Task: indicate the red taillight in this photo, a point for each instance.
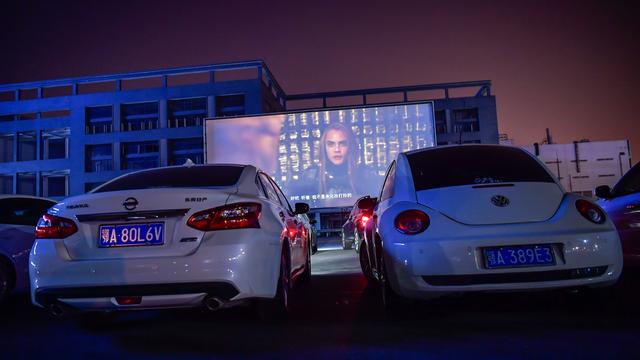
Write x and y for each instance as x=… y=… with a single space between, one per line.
x=129 y=300
x=233 y=216
x=412 y=222
x=362 y=223
x=55 y=227
x=591 y=211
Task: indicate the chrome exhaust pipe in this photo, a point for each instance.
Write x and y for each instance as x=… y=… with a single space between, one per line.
x=212 y=303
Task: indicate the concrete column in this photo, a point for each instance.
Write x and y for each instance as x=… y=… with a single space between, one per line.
x=116 y=156
x=162 y=113
x=211 y=106
x=164 y=156
x=448 y=122
x=116 y=117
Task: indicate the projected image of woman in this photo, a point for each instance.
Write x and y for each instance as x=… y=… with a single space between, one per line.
x=338 y=171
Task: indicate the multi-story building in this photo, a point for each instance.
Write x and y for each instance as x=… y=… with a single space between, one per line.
x=583 y=165
x=64 y=137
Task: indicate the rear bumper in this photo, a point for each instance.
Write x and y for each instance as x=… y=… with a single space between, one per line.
x=230 y=267
x=431 y=267
x=104 y=296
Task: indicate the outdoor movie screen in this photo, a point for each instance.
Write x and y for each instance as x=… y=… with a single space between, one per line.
x=326 y=158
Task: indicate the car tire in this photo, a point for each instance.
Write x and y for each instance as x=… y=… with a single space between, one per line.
x=365 y=266
x=276 y=309
x=4 y=282
x=393 y=304
x=305 y=277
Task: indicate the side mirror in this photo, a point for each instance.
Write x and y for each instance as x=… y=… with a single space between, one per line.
x=367 y=203
x=301 y=208
x=604 y=192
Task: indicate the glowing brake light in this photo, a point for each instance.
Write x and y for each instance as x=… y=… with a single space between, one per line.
x=412 y=222
x=55 y=227
x=232 y=216
x=591 y=211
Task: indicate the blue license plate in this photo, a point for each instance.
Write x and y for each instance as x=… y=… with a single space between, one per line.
x=131 y=235
x=519 y=256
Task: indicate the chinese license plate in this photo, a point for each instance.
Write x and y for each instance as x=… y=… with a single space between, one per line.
x=519 y=256
x=131 y=235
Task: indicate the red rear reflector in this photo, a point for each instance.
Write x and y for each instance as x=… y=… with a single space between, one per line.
x=232 y=216
x=412 y=222
x=128 y=300
x=55 y=227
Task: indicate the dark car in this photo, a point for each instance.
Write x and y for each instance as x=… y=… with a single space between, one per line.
x=353 y=227
x=18 y=217
x=622 y=203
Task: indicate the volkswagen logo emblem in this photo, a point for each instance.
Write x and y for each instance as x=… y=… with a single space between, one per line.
x=130 y=203
x=499 y=200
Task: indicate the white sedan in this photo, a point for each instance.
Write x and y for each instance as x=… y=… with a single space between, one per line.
x=184 y=236
x=483 y=218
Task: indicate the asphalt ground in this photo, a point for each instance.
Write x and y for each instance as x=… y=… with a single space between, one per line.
x=338 y=316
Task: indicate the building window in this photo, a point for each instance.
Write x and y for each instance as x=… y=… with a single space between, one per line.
x=182 y=149
x=140 y=116
x=6 y=184
x=55 y=184
x=98 y=158
x=99 y=119
x=55 y=144
x=140 y=155
x=465 y=120
x=230 y=105
x=441 y=122
x=27 y=146
x=26 y=183
x=186 y=112
x=6 y=147
x=91 y=185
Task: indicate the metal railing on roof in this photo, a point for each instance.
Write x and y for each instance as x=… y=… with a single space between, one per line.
x=263 y=73
x=484 y=89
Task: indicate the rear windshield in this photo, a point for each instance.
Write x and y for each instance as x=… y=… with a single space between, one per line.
x=474 y=165
x=176 y=177
x=23 y=211
x=629 y=184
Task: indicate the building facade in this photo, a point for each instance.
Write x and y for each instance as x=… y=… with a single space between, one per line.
x=64 y=137
x=581 y=166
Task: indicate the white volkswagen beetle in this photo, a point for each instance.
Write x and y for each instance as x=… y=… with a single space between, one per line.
x=184 y=236
x=481 y=218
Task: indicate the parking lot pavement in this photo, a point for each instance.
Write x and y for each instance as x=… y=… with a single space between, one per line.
x=338 y=316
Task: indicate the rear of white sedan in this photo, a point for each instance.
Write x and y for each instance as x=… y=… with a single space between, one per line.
x=166 y=238
x=488 y=218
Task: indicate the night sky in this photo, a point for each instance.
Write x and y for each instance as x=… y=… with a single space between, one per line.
x=573 y=67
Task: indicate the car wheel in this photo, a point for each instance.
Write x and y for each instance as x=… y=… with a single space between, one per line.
x=275 y=310
x=305 y=277
x=393 y=304
x=4 y=282
x=364 y=262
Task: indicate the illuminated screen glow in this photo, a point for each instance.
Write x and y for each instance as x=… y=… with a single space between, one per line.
x=326 y=158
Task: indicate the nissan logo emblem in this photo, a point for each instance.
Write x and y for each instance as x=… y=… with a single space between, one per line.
x=130 y=203
x=499 y=200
